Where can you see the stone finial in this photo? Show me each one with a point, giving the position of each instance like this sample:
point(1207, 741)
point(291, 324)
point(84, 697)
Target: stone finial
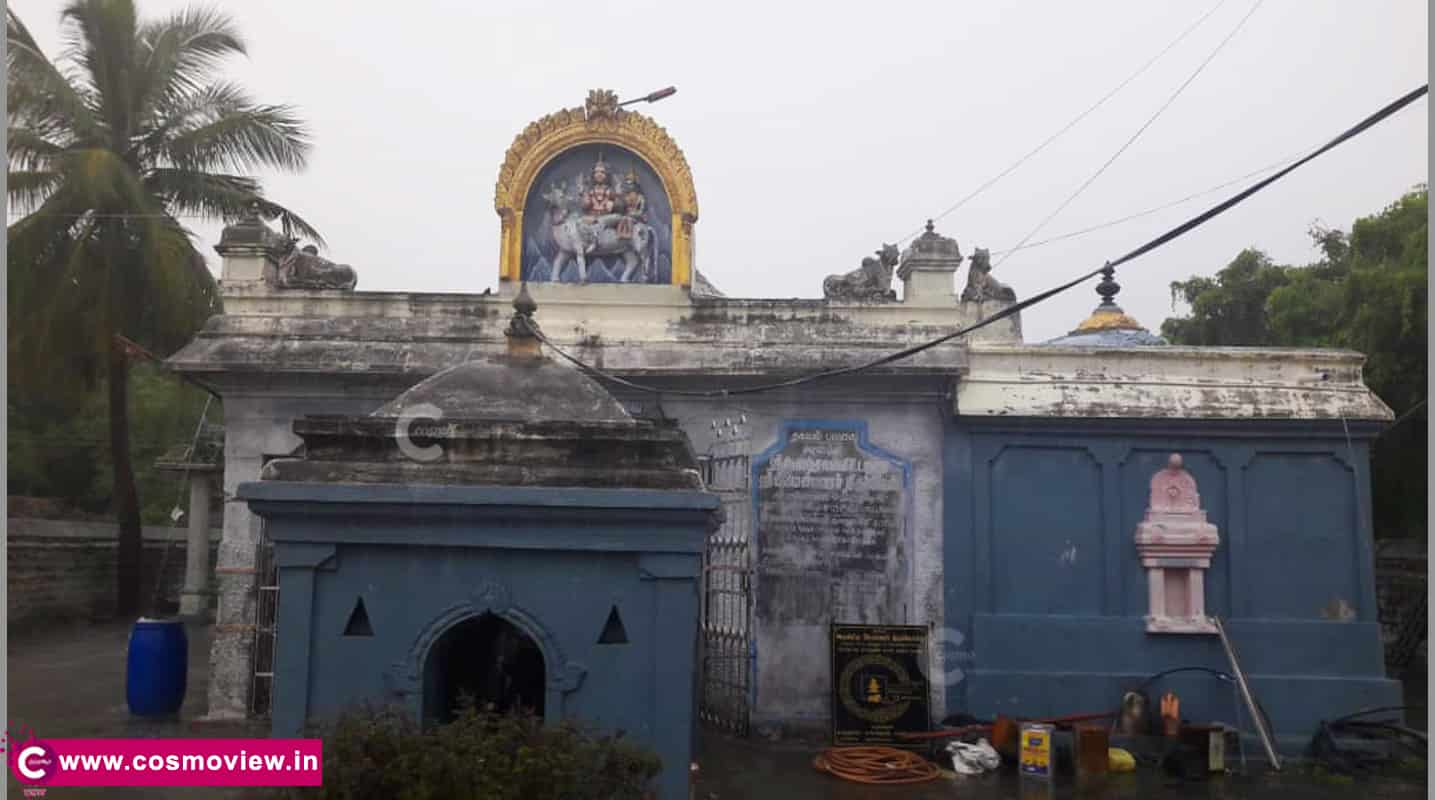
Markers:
point(931, 251)
point(1108, 316)
point(250, 249)
point(522, 327)
point(1175, 543)
point(929, 266)
point(248, 232)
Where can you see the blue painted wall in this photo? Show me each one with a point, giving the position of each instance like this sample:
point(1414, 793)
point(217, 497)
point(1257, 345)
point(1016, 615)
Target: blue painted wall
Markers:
point(1044, 583)
point(553, 562)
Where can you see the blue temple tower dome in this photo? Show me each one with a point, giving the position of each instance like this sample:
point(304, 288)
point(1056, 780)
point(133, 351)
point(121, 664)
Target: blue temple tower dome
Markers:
point(1108, 325)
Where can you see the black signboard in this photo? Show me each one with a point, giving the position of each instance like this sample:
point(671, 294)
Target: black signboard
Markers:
point(879, 684)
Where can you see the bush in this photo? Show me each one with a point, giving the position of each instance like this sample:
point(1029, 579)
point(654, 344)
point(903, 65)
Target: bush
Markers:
point(384, 755)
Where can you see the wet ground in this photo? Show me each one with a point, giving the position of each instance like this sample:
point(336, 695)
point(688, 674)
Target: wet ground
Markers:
point(732, 769)
point(69, 683)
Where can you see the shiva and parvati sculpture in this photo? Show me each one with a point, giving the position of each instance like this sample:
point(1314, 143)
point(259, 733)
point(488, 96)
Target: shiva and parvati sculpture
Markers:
point(596, 194)
point(596, 217)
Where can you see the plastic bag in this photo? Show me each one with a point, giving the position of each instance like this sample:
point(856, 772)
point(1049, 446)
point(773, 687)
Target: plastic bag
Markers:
point(1118, 760)
point(973, 759)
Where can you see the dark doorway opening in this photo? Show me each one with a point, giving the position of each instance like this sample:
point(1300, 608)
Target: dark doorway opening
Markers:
point(486, 658)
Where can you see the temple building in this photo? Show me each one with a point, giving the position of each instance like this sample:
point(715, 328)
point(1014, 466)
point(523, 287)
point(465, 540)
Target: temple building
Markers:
point(1064, 518)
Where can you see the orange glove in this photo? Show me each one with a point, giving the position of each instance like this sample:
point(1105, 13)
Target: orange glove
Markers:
point(1170, 714)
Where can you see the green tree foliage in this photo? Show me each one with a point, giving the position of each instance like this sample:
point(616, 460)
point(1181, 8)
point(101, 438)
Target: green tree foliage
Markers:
point(1230, 309)
point(1367, 292)
point(64, 455)
point(109, 147)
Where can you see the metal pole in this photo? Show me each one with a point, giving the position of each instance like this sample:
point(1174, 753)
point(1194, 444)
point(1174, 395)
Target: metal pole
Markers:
point(1250, 699)
point(194, 599)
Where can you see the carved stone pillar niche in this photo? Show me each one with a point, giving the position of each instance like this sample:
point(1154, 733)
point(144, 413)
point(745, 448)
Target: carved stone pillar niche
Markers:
point(1175, 543)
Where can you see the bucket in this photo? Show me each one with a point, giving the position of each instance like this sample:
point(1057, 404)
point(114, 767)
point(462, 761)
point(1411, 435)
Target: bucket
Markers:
point(158, 667)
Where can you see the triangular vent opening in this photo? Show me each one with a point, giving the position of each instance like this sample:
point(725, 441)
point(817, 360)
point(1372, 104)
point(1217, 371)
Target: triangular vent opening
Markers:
point(613, 631)
point(359, 621)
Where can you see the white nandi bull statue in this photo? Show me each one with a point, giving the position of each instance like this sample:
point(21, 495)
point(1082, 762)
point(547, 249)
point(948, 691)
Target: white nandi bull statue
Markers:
point(578, 237)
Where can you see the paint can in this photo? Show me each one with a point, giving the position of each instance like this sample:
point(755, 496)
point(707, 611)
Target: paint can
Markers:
point(1092, 750)
point(1036, 750)
point(1006, 737)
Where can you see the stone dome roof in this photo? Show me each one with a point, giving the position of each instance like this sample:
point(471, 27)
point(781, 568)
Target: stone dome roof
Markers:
point(520, 385)
point(1114, 337)
point(515, 419)
point(508, 388)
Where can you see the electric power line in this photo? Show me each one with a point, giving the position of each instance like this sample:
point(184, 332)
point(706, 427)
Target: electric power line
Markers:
point(1078, 118)
point(1400, 419)
point(1170, 235)
point(1148, 212)
point(1122, 149)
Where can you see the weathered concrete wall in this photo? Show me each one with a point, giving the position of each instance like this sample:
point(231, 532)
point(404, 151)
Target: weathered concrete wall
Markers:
point(65, 569)
point(903, 417)
point(1165, 383)
point(258, 426)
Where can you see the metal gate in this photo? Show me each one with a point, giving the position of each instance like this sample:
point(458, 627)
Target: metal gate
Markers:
point(266, 608)
point(726, 607)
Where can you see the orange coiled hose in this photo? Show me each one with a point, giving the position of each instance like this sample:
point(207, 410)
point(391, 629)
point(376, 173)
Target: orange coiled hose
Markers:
point(877, 765)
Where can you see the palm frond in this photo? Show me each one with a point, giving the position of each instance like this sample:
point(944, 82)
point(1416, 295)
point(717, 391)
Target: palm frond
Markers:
point(206, 194)
point(102, 39)
point(28, 149)
point(244, 139)
point(27, 189)
point(179, 53)
point(290, 222)
point(55, 294)
point(187, 111)
point(174, 269)
point(39, 95)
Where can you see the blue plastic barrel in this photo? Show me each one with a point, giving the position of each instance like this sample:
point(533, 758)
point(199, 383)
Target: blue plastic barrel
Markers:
point(158, 667)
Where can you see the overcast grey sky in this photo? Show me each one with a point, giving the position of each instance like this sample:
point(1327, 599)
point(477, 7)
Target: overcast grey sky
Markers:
point(817, 132)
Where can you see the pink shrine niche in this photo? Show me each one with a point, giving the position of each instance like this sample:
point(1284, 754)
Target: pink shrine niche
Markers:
point(1175, 543)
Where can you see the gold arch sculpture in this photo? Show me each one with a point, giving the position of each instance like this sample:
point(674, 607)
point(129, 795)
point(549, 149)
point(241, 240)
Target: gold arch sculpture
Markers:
point(599, 121)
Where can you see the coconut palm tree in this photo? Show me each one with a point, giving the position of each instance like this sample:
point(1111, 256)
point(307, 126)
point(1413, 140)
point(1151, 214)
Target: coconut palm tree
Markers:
point(109, 147)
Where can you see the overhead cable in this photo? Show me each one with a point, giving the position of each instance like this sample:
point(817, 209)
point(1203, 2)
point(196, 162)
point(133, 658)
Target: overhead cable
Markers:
point(1078, 118)
point(1122, 149)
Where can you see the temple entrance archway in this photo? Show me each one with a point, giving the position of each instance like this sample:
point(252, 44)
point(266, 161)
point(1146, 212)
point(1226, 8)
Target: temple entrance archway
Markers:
point(488, 658)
